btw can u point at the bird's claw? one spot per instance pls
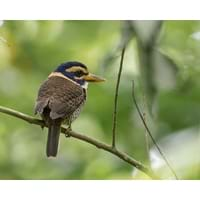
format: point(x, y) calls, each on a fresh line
point(67, 131)
point(42, 126)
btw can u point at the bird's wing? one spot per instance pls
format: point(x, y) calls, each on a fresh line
point(62, 96)
point(44, 94)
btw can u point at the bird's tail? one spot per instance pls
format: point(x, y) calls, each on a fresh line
point(53, 138)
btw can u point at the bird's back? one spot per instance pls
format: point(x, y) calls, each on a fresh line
point(62, 97)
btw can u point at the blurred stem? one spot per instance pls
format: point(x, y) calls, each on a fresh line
point(146, 50)
point(116, 98)
point(100, 145)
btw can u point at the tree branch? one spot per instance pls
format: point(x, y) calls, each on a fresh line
point(150, 134)
point(84, 138)
point(116, 98)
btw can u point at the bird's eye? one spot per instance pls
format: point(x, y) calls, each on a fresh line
point(78, 73)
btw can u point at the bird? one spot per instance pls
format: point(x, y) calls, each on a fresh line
point(61, 97)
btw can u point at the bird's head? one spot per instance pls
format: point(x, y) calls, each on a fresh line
point(77, 72)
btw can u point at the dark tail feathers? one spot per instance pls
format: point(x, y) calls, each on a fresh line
point(53, 138)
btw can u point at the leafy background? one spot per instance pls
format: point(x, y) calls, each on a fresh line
point(30, 50)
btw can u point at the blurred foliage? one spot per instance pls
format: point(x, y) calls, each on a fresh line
point(30, 50)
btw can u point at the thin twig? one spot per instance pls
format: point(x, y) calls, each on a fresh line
point(147, 140)
point(84, 138)
point(116, 99)
point(149, 132)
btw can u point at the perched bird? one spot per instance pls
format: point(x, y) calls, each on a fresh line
point(61, 97)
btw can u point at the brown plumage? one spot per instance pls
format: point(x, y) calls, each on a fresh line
point(61, 97)
point(59, 100)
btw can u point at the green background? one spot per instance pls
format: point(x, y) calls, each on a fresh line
point(30, 50)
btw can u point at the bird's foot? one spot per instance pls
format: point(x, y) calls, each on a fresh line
point(67, 131)
point(43, 125)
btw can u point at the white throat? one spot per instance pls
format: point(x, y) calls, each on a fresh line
point(85, 86)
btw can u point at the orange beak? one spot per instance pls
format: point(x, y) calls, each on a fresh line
point(93, 78)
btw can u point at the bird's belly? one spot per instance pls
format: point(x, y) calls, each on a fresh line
point(68, 120)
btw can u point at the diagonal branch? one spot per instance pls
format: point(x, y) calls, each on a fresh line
point(150, 134)
point(116, 98)
point(100, 145)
